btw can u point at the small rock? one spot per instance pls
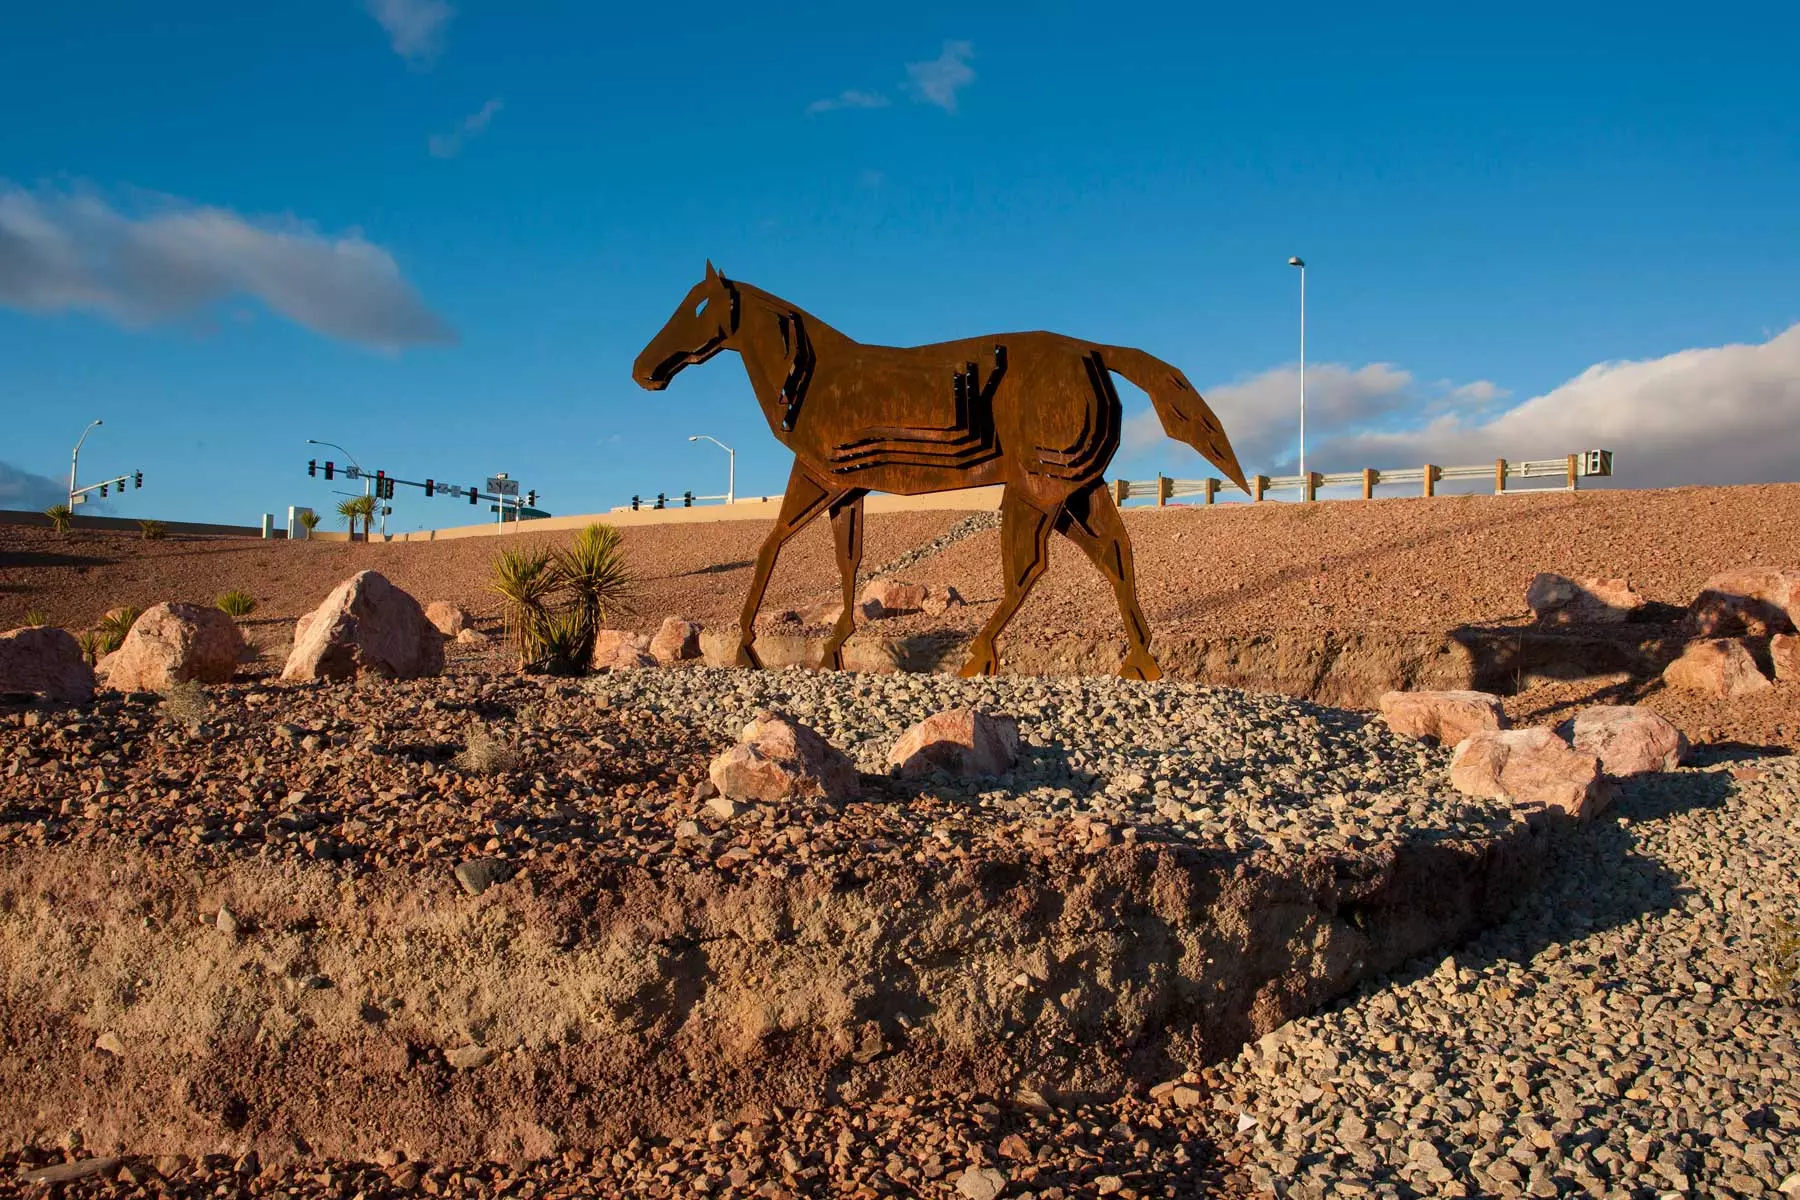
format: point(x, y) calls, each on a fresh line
point(962, 741)
point(468, 1058)
point(471, 637)
point(1628, 739)
point(723, 808)
point(781, 759)
point(1720, 667)
point(676, 640)
point(109, 1042)
point(1559, 600)
point(477, 875)
point(1755, 600)
point(1784, 649)
point(1447, 716)
point(227, 921)
point(980, 1183)
point(1533, 767)
point(65, 1172)
point(621, 650)
point(449, 619)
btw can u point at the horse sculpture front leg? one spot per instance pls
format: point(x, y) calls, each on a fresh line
point(806, 498)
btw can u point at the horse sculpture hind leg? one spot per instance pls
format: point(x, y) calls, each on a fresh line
point(806, 498)
point(1024, 534)
point(1091, 521)
point(847, 537)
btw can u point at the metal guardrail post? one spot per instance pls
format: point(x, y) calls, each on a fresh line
point(1258, 484)
point(1574, 473)
point(1121, 491)
point(1209, 489)
point(1431, 478)
point(1309, 486)
point(1499, 476)
point(1369, 476)
point(1165, 487)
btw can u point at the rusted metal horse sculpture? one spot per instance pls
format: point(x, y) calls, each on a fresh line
point(1034, 411)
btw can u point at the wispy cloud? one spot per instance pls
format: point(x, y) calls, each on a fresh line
point(449, 145)
point(415, 28)
point(27, 491)
point(848, 99)
point(1720, 414)
point(62, 251)
point(938, 81)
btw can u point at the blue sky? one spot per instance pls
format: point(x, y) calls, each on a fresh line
point(439, 232)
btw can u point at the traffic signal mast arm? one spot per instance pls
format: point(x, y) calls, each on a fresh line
point(119, 481)
point(385, 485)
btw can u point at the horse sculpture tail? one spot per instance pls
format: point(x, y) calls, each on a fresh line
point(1185, 416)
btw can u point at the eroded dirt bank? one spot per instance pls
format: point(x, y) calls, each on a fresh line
point(342, 1016)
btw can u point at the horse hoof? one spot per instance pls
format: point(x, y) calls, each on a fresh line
point(1143, 669)
point(977, 667)
point(832, 660)
point(746, 657)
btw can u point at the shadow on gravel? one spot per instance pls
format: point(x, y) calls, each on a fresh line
point(45, 558)
point(1714, 753)
point(714, 569)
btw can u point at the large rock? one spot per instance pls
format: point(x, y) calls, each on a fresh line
point(1559, 600)
point(46, 662)
point(892, 598)
point(1718, 667)
point(173, 643)
point(621, 650)
point(781, 759)
point(449, 619)
point(1754, 600)
point(367, 625)
point(1784, 651)
point(962, 741)
point(1628, 739)
point(1447, 716)
point(676, 640)
point(1531, 767)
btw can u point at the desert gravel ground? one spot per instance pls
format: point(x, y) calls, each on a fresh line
point(1628, 1032)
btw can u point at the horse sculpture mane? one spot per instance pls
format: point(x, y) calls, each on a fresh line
point(1035, 412)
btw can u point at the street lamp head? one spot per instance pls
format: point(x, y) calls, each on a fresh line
point(695, 438)
point(1296, 261)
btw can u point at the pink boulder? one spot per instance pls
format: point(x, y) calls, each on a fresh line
point(676, 640)
point(1757, 601)
point(1447, 716)
point(892, 598)
point(1784, 649)
point(46, 662)
point(780, 759)
point(621, 650)
point(449, 619)
point(1531, 767)
point(1559, 600)
point(172, 643)
point(366, 625)
point(962, 741)
point(1718, 667)
point(1628, 739)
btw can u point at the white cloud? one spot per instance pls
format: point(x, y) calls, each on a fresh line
point(25, 491)
point(1723, 414)
point(1261, 414)
point(848, 99)
point(414, 27)
point(938, 81)
point(1482, 391)
point(61, 251)
point(449, 145)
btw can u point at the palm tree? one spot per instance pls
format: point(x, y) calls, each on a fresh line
point(358, 506)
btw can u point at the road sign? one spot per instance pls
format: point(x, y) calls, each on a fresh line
point(500, 485)
point(352, 472)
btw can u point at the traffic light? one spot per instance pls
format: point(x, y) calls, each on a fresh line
point(687, 498)
point(381, 485)
point(531, 498)
point(328, 468)
point(474, 494)
point(312, 466)
point(139, 480)
point(634, 504)
point(103, 491)
point(661, 500)
point(390, 489)
point(429, 487)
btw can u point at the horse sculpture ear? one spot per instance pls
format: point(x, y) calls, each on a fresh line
point(711, 272)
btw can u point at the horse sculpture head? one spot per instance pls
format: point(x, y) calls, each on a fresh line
point(703, 323)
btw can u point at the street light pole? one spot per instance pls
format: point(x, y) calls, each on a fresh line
point(75, 458)
point(359, 471)
point(730, 469)
point(1297, 261)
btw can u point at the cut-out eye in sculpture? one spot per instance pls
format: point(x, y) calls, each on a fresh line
point(1043, 420)
point(701, 307)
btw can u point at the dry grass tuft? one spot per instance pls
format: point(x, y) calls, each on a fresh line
point(186, 702)
point(1782, 962)
point(485, 754)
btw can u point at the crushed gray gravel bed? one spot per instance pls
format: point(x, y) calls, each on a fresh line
point(1628, 1032)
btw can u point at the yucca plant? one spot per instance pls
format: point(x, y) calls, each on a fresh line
point(61, 517)
point(564, 641)
point(114, 626)
point(90, 643)
point(152, 531)
point(237, 603)
point(526, 581)
point(309, 521)
point(37, 618)
point(594, 571)
point(358, 506)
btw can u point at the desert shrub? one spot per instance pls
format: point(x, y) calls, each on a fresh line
point(152, 531)
point(594, 572)
point(485, 754)
point(527, 584)
point(309, 520)
point(1781, 961)
point(554, 602)
point(186, 702)
point(37, 618)
point(237, 603)
point(114, 626)
point(90, 646)
point(565, 641)
point(61, 517)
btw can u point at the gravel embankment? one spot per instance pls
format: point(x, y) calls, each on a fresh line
point(1629, 1032)
point(371, 776)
